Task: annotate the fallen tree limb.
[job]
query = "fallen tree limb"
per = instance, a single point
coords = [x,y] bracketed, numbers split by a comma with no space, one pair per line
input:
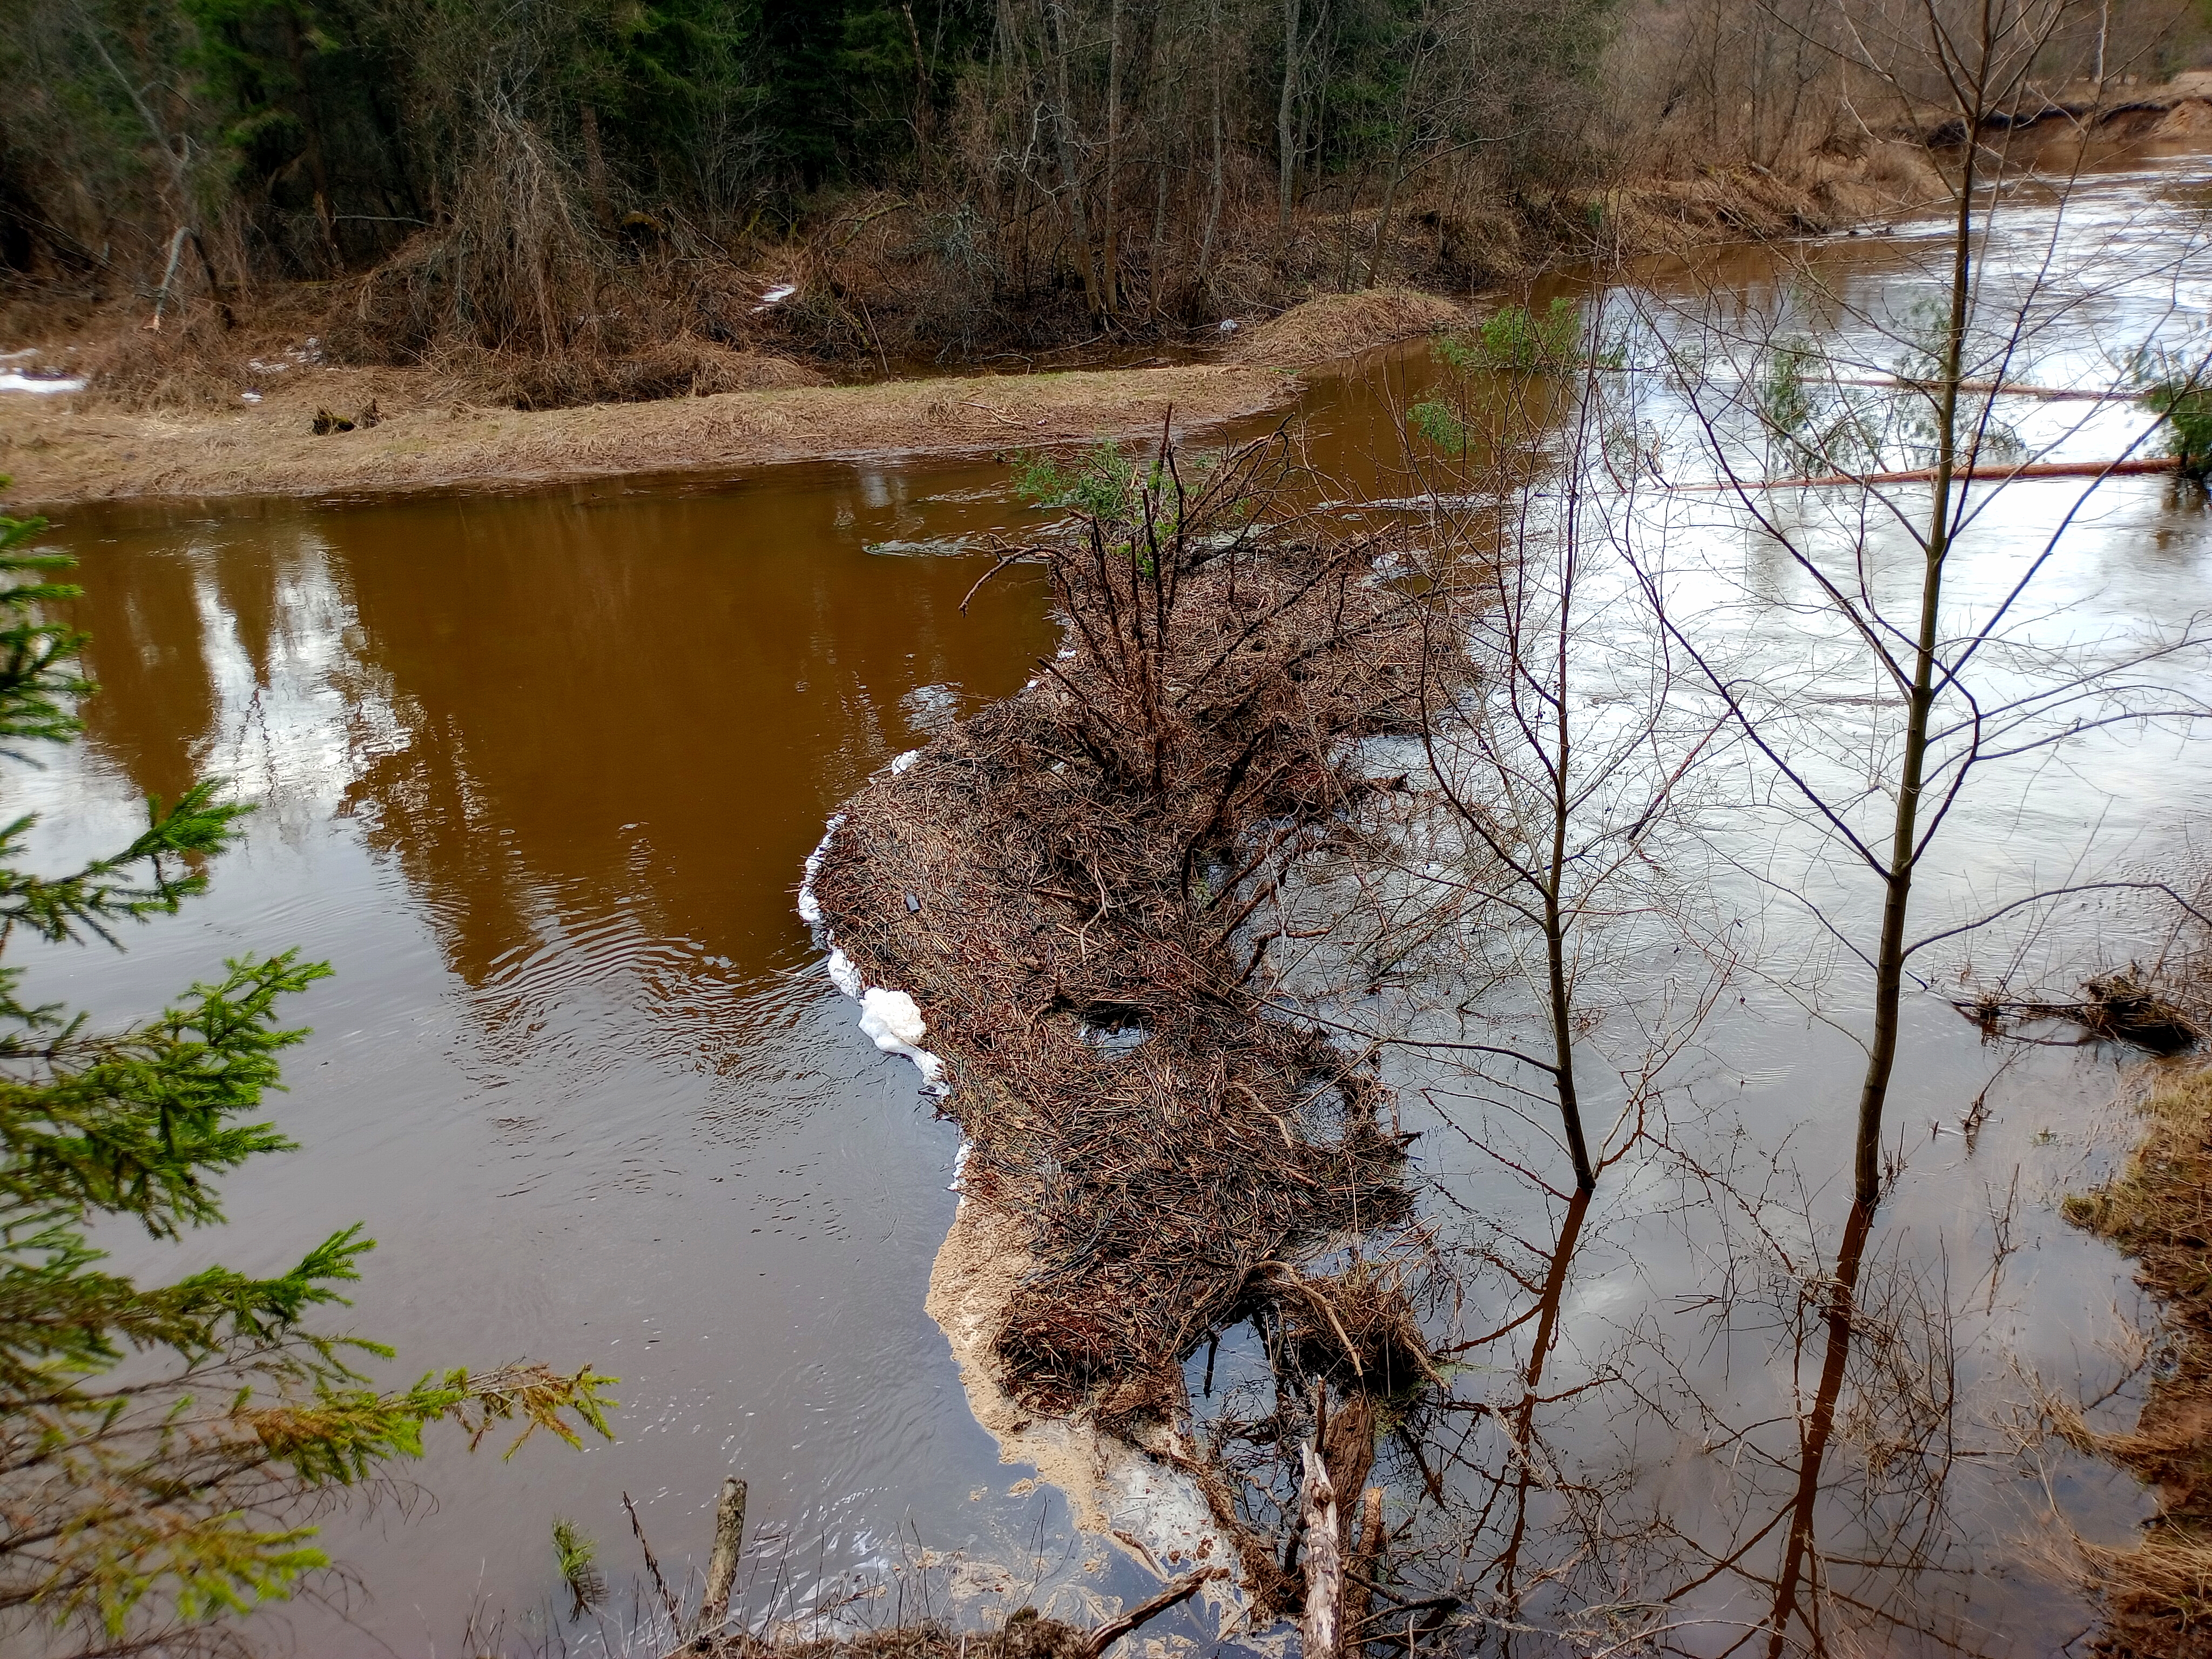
[722,1564]
[2001,389]
[2136,468]
[1321,1628]
[1177,1592]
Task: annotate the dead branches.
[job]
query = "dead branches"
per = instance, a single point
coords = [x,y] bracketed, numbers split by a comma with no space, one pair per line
[1174,1147]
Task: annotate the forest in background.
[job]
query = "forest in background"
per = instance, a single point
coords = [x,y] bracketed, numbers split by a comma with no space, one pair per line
[580,184]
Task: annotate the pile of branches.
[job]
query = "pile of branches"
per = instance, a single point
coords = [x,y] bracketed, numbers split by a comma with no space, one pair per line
[2126,1006]
[1068,886]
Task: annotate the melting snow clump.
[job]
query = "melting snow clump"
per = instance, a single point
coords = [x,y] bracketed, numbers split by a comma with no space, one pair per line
[889,1019]
[13,381]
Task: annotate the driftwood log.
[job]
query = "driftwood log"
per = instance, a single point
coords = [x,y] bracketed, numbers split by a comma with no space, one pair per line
[722,1564]
[1321,1628]
[1177,1592]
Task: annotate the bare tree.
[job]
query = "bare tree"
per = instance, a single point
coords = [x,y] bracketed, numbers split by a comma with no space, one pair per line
[1896,475]
[1561,767]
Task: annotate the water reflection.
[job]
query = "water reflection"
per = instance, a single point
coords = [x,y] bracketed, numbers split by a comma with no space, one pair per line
[538,776]
[151,664]
[1719,1410]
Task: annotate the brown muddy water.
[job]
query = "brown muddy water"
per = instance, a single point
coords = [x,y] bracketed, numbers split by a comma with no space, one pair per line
[538,774]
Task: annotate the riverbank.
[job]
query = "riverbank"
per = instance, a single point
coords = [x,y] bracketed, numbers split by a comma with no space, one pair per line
[2156,1594]
[196,413]
[63,450]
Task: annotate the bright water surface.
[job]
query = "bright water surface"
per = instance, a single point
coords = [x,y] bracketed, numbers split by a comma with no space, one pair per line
[537,774]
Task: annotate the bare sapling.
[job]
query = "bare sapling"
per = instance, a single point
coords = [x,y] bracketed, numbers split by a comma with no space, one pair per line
[1562,766]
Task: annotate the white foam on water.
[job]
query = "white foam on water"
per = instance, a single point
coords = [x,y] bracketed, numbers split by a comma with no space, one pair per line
[891,1019]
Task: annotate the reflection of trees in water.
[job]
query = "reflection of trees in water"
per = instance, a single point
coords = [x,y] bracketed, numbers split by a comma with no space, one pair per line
[156,707]
[1760,1453]
[1765,1466]
[1835,1529]
[628,713]
[549,716]
[215,660]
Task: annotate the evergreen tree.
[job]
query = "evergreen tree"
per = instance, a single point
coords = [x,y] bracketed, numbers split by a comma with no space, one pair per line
[161,1445]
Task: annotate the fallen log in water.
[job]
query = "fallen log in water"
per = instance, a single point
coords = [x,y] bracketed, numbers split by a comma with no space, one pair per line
[722,1564]
[2055,394]
[2133,468]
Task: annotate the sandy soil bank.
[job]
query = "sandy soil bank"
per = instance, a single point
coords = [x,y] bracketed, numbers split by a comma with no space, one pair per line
[1339,325]
[64,449]
[1113,1490]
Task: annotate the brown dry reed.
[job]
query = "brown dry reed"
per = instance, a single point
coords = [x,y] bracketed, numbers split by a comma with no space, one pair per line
[2159,1210]
[1086,859]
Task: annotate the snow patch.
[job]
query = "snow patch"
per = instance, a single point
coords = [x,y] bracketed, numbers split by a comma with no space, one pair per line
[13,381]
[899,763]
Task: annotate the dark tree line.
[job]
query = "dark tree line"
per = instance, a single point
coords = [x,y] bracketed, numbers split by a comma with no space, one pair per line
[1119,148]
[565,175]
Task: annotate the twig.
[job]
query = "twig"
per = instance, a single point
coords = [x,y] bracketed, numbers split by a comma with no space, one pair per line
[1144,1613]
[675,1609]
[1005,560]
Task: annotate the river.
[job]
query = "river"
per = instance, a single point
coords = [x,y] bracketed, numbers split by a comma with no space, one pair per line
[537,773]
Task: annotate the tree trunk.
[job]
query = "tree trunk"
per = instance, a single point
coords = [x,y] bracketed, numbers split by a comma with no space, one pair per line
[1213,203]
[1321,1629]
[1889,954]
[722,1564]
[1555,925]
[1286,137]
[923,104]
[1111,283]
[1071,166]
[1382,223]
[595,168]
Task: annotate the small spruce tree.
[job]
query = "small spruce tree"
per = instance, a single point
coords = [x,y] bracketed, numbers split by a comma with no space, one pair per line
[161,1447]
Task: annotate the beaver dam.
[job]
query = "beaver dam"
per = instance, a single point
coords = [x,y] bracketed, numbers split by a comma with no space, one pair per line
[1061,886]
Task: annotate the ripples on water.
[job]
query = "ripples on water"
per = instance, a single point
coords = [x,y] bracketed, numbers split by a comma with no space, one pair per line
[538,774]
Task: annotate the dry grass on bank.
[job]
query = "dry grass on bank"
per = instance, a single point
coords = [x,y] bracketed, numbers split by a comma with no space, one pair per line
[1059,884]
[1340,325]
[63,450]
[2158,1595]
[194,363]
